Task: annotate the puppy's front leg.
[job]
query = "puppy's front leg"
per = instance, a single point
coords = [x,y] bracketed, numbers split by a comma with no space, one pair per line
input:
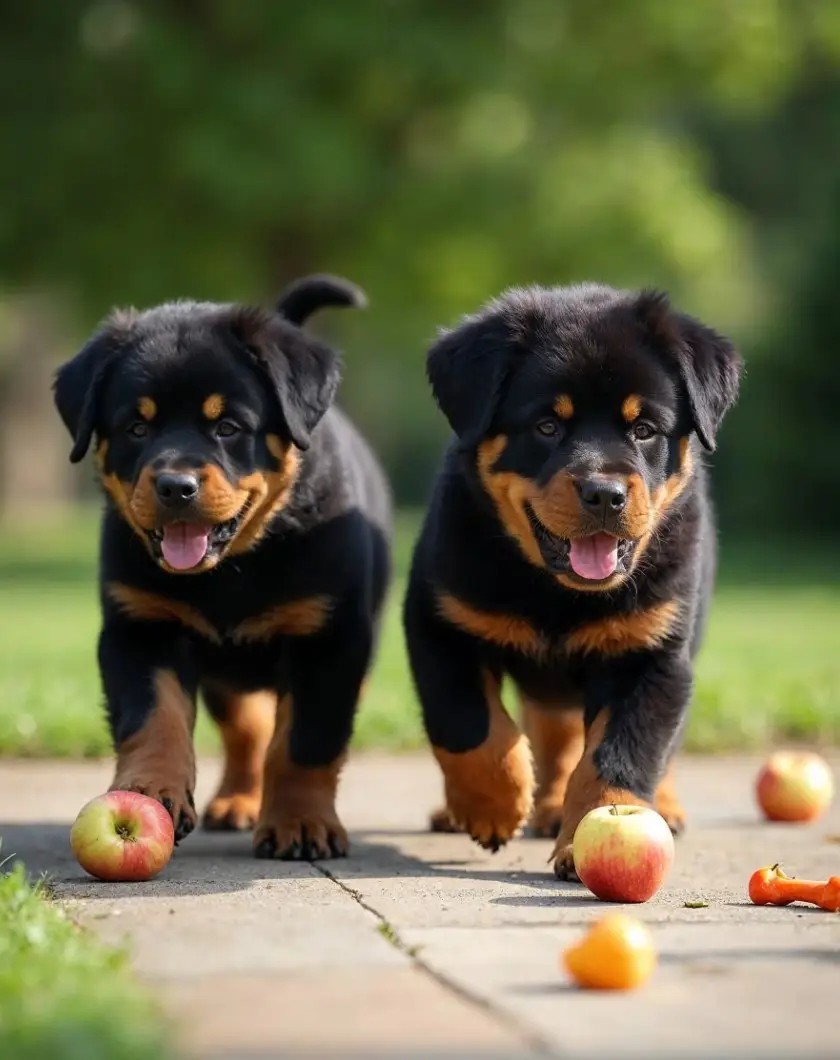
[314,724]
[634,714]
[150,690]
[486,763]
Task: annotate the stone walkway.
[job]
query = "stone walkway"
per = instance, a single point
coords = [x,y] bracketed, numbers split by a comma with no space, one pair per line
[425,946]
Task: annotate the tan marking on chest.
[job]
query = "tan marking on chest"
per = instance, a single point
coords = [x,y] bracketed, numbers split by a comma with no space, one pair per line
[505,630]
[150,607]
[299,618]
[618,634]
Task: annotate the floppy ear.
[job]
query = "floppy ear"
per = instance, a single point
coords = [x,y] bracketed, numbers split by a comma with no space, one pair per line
[709,365]
[468,368]
[711,370]
[303,373]
[78,385]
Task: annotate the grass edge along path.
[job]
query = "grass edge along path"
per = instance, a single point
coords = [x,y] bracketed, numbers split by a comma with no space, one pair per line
[63,994]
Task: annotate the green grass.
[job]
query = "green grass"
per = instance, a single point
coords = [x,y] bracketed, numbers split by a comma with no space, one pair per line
[64,996]
[769,671]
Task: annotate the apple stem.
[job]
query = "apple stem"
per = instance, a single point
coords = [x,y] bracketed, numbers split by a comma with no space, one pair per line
[124,832]
[614,810]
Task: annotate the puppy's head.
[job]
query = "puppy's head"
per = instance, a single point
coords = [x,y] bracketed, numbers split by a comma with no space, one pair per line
[580,405]
[199,413]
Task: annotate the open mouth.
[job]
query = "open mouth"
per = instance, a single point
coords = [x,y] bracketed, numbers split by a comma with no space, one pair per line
[185,546]
[594,558]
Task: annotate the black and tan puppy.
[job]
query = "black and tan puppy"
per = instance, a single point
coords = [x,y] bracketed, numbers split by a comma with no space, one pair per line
[244,553]
[570,546]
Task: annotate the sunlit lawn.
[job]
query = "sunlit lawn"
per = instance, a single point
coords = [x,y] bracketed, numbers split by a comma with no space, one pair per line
[770,669]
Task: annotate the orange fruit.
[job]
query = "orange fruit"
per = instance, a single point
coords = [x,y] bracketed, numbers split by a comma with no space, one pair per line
[617,953]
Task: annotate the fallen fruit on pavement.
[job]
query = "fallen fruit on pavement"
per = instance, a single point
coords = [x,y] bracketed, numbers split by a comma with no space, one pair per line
[794,786]
[770,886]
[122,835]
[623,853]
[617,953]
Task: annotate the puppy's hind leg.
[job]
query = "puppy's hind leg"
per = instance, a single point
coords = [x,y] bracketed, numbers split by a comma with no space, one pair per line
[246,725]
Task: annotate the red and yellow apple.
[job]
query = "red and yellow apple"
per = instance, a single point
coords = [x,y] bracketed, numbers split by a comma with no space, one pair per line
[794,786]
[122,835]
[623,853]
[617,953]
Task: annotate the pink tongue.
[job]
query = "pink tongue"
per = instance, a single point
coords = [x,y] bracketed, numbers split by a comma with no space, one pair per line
[594,557]
[184,546]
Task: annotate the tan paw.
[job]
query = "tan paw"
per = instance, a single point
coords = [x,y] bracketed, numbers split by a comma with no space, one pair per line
[232,813]
[490,791]
[546,820]
[300,837]
[564,862]
[176,798]
[674,814]
[492,820]
[441,821]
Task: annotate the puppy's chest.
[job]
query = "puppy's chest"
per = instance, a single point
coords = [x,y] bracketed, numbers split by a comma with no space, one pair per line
[556,638]
[226,613]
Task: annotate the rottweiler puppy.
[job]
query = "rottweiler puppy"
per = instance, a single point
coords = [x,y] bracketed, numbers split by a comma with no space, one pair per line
[244,553]
[569,546]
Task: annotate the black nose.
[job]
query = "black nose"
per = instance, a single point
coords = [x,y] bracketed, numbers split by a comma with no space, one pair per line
[176,488]
[603,496]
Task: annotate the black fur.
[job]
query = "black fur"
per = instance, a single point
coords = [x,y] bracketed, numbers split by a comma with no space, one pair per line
[304,297]
[329,539]
[499,374]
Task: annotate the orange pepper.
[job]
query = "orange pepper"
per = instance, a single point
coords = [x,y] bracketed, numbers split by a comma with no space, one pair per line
[770,886]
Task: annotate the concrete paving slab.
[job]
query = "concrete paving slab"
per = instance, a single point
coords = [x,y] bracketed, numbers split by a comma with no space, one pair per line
[254,958]
[381,1013]
[422,945]
[717,991]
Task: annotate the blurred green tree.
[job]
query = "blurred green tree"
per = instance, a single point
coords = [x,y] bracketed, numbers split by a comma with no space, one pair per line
[435,152]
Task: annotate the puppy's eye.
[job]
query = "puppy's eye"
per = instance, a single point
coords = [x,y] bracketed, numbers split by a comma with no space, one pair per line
[227,429]
[548,428]
[138,429]
[642,431]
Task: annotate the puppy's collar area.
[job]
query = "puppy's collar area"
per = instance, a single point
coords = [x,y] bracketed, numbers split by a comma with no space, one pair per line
[592,559]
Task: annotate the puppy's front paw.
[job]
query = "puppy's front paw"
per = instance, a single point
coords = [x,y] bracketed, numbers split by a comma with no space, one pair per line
[669,806]
[175,797]
[490,791]
[232,813]
[300,836]
[441,820]
[494,813]
[564,862]
[547,819]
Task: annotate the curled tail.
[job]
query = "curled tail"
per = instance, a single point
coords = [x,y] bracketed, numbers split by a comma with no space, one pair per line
[307,295]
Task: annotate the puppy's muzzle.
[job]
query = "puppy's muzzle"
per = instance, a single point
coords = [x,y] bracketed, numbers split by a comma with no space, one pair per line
[176,491]
[603,501]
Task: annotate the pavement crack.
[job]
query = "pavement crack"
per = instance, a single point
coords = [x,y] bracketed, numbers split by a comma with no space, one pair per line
[539,1045]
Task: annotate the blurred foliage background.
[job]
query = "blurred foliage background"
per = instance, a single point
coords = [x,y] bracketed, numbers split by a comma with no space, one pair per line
[434,152]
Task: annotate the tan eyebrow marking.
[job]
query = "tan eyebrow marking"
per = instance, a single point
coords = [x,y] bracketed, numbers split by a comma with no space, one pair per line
[147,408]
[213,406]
[631,408]
[564,407]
